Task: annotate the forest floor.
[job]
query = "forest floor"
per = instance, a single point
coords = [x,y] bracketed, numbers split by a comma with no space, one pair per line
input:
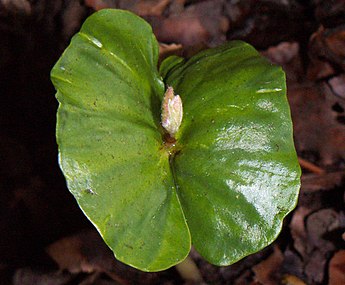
[45,238]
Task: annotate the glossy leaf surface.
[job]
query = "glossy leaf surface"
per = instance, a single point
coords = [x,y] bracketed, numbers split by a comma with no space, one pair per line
[109,143]
[236,169]
[233,175]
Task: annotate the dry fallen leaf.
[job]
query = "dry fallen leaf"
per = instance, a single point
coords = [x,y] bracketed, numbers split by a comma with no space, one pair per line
[318,225]
[298,230]
[17,6]
[316,128]
[337,85]
[100,4]
[84,252]
[28,276]
[292,280]
[151,7]
[329,44]
[198,26]
[337,269]
[315,182]
[267,271]
[166,50]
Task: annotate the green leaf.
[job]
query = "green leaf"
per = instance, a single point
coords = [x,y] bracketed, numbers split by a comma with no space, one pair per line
[110,144]
[168,64]
[236,169]
[232,174]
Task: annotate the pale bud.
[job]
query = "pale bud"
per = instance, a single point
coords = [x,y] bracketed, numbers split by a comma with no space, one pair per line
[172,112]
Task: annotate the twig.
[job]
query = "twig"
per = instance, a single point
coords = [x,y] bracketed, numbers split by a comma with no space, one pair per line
[310,166]
[91,279]
[116,278]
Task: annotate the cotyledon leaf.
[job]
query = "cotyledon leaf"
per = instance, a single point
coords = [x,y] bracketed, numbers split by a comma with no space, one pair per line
[232,173]
[236,166]
[110,144]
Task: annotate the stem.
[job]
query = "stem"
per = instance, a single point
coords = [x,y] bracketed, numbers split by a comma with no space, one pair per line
[189,271]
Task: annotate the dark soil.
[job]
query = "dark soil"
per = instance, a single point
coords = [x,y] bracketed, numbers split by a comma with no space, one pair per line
[45,238]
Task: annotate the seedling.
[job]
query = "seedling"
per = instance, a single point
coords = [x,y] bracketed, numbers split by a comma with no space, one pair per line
[220,177]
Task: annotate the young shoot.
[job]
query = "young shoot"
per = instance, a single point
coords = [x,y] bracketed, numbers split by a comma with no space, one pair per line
[172,112]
